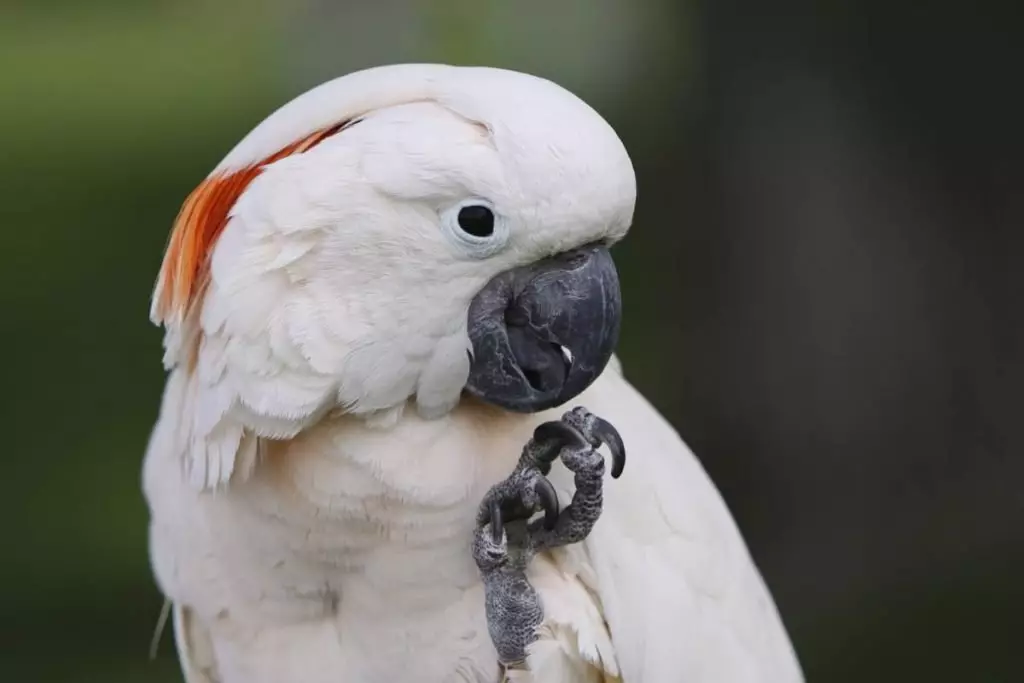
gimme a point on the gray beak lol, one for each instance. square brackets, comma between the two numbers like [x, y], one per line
[542, 333]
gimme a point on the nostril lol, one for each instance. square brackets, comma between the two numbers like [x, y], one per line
[573, 259]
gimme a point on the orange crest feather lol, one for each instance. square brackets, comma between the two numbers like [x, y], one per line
[203, 216]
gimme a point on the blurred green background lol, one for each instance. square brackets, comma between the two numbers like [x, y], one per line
[822, 288]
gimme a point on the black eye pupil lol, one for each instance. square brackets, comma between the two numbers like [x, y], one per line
[477, 220]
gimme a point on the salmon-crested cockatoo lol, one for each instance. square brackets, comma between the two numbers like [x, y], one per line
[390, 316]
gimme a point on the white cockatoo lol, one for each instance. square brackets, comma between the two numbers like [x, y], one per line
[379, 309]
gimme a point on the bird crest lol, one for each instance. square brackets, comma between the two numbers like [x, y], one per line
[185, 270]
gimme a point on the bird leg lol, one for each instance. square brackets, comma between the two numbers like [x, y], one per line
[506, 540]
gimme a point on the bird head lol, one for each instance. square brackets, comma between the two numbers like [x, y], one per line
[409, 232]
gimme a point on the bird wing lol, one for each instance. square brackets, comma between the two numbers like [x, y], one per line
[671, 573]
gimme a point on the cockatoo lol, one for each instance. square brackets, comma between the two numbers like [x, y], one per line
[390, 317]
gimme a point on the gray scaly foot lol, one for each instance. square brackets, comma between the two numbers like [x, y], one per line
[505, 540]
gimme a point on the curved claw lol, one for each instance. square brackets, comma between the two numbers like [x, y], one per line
[496, 522]
[546, 495]
[610, 436]
[558, 434]
[548, 500]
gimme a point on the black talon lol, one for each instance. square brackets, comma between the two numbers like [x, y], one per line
[611, 438]
[554, 436]
[513, 607]
[496, 521]
[549, 501]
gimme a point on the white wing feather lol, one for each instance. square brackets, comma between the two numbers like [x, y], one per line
[679, 591]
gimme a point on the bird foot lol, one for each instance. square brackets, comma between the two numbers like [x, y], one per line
[506, 540]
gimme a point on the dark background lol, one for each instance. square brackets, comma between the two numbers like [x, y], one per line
[822, 288]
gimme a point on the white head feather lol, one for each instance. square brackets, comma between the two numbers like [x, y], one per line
[340, 279]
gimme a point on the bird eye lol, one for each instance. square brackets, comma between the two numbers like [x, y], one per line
[475, 227]
[476, 220]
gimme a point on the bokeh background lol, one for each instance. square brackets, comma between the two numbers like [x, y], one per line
[822, 288]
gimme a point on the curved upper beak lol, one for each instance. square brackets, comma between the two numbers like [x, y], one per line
[542, 333]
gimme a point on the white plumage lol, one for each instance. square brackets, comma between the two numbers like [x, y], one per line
[314, 473]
